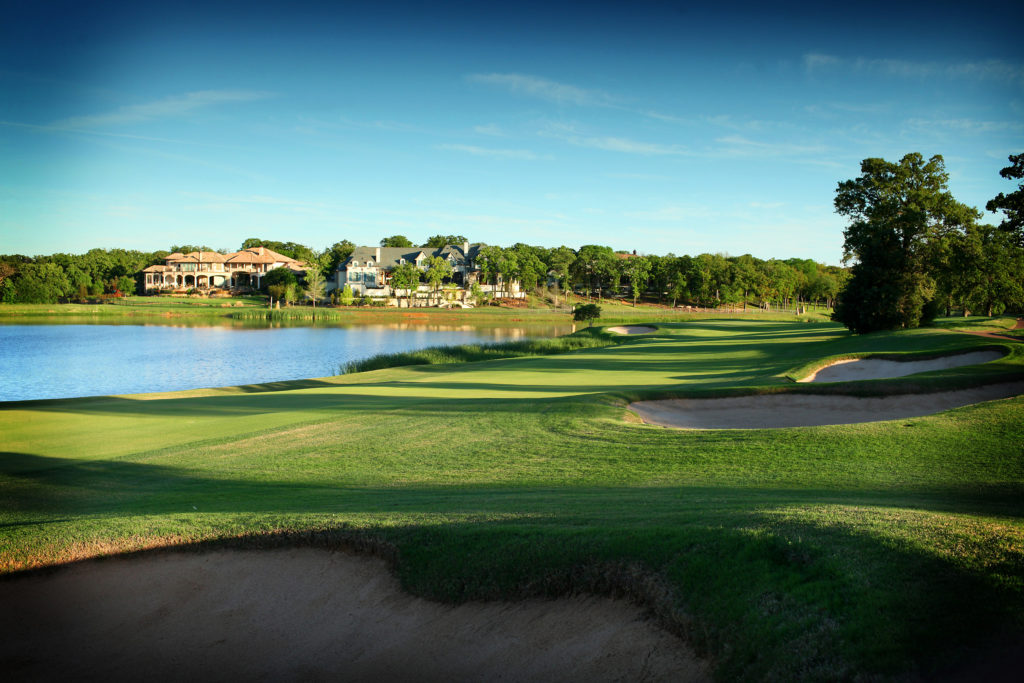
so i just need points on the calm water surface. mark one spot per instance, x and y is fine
(60, 361)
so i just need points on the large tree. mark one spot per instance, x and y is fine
(438, 269)
(593, 264)
(899, 213)
(396, 241)
(438, 241)
(407, 277)
(638, 271)
(1012, 205)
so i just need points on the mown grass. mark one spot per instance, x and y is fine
(885, 549)
(470, 353)
(153, 308)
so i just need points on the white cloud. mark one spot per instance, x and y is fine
(814, 61)
(612, 144)
(992, 69)
(966, 125)
(489, 129)
(177, 105)
(737, 145)
(534, 86)
(523, 154)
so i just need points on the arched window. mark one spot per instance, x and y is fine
(369, 264)
(355, 263)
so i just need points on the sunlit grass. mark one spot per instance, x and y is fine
(826, 552)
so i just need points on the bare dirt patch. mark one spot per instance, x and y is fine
(310, 615)
(854, 369)
(632, 329)
(808, 410)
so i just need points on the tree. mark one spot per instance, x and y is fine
(989, 268)
(315, 284)
(587, 312)
(279, 276)
(497, 263)
(638, 271)
(560, 260)
(335, 255)
(593, 264)
(39, 283)
(529, 266)
(438, 241)
(437, 270)
(1012, 205)
(678, 288)
(745, 276)
(299, 252)
(898, 212)
(125, 285)
(346, 297)
(405, 276)
(396, 241)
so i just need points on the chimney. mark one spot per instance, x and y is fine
(465, 248)
(376, 258)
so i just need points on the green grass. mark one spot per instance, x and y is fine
(587, 338)
(875, 550)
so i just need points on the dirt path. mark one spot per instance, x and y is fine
(993, 335)
(305, 614)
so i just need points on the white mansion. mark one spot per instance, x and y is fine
(368, 269)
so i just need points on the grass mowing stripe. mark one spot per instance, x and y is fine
(830, 552)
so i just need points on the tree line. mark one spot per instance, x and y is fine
(594, 271)
(916, 253)
(919, 253)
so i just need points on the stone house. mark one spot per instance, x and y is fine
(213, 270)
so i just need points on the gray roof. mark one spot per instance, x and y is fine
(391, 257)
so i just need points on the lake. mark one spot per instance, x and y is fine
(61, 361)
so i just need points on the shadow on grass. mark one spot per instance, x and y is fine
(825, 592)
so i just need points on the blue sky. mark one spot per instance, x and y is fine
(655, 126)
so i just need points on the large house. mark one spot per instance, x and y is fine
(368, 270)
(212, 270)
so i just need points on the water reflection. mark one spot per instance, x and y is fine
(89, 358)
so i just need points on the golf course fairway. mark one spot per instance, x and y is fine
(882, 549)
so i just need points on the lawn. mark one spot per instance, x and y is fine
(881, 549)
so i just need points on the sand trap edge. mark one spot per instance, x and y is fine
(632, 329)
(293, 612)
(785, 410)
(880, 366)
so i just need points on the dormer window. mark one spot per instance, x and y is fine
(369, 264)
(401, 261)
(355, 263)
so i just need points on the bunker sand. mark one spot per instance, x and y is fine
(808, 410)
(632, 329)
(872, 368)
(310, 615)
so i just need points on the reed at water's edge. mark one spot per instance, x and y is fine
(469, 353)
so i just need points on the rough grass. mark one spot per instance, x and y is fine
(886, 549)
(470, 353)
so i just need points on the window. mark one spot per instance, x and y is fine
(355, 263)
(369, 264)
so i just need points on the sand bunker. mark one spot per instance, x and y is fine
(871, 368)
(310, 615)
(808, 410)
(632, 329)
